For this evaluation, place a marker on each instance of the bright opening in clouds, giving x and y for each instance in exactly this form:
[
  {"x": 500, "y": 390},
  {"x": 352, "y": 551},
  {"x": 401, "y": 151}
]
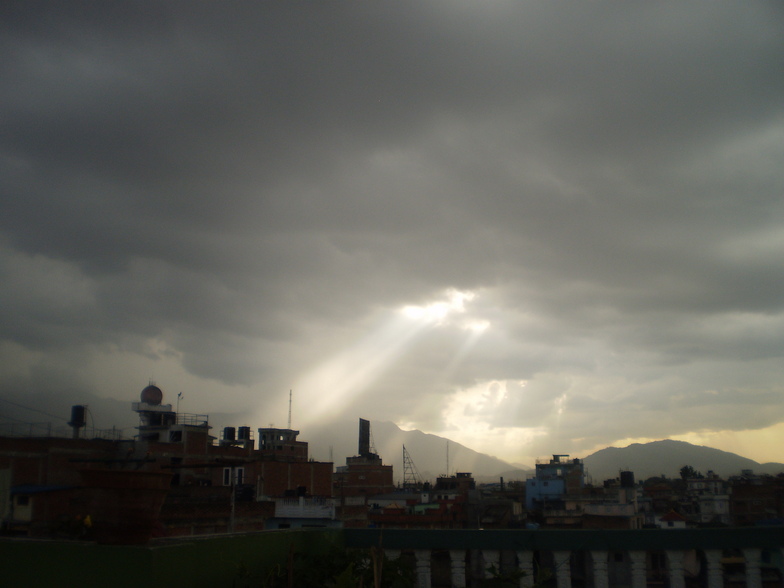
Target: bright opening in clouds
[
  {"x": 439, "y": 312},
  {"x": 472, "y": 414},
  {"x": 477, "y": 326}
]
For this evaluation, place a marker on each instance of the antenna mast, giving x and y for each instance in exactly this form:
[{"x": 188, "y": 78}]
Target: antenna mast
[
  {"x": 372, "y": 442},
  {"x": 289, "y": 409},
  {"x": 411, "y": 477},
  {"x": 447, "y": 457}
]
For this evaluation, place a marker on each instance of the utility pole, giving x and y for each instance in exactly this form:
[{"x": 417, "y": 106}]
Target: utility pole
[{"x": 233, "y": 498}]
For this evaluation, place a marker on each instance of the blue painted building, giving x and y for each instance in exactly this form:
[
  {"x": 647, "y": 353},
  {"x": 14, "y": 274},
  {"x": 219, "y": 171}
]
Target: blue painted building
[{"x": 553, "y": 480}]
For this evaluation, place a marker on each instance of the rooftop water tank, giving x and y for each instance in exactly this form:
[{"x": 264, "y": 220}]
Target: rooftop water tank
[
  {"x": 627, "y": 479},
  {"x": 152, "y": 395},
  {"x": 77, "y": 416}
]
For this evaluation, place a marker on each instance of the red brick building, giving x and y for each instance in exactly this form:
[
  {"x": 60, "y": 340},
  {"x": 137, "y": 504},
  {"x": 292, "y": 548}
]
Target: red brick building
[
  {"x": 215, "y": 486},
  {"x": 363, "y": 476},
  {"x": 756, "y": 498}
]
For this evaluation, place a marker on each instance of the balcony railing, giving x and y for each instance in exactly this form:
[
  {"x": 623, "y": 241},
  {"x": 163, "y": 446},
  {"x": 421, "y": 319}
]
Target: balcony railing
[
  {"x": 592, "y": 558},
  {"x": 47, "y": 429},
  {"x": 198, "y": 420},
  {"x": 301, "y": 507}
]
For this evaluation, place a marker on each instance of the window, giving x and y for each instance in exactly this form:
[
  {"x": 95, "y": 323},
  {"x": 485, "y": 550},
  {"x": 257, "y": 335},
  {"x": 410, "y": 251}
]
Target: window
[
  {"x": 239, "y": 476},
  {"x": 658, "y": 562}
]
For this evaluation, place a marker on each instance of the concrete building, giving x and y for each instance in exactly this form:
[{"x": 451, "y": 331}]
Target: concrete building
[
  {"x": 707, "y": 500},
  {"x": 553, "y": 480}
]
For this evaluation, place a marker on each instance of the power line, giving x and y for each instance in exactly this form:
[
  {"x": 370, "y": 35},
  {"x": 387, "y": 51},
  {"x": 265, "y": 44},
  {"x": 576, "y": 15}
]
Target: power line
[
  {"x": 35, "y": 410},
  {"x": 8, "y": 418}
]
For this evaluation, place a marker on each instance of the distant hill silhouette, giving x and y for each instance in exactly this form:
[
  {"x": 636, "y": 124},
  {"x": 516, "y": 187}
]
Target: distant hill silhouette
[{"x": 667, "y": 458}]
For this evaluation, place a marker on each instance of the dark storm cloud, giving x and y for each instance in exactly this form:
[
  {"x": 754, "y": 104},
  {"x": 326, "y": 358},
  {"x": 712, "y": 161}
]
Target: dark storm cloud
[{"x": 258, "y": 185}]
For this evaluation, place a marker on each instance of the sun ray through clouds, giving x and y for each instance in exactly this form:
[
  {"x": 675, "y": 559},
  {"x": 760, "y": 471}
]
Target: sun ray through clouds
[{"x": 331, "y": 386}]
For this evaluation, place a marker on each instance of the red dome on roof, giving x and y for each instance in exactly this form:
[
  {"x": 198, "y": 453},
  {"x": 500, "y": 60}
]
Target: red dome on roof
[{"x": 152, "y": 394}]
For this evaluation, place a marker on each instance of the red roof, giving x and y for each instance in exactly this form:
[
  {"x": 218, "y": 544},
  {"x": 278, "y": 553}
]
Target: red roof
[{"x": 673, "y": 516}]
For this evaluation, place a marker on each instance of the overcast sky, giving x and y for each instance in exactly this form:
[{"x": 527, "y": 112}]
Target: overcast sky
[{"x": 530, "y": 227}]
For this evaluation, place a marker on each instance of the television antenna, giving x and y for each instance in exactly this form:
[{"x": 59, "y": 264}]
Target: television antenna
[
  {"x": 289, "y": 409},
  {"x": 411, "y": 478},
  {"x": 372, "y": 443}
]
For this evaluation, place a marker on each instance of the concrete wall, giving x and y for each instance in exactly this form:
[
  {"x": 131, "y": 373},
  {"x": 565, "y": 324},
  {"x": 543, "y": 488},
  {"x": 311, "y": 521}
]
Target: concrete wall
[{"x": 216, "y": 561}]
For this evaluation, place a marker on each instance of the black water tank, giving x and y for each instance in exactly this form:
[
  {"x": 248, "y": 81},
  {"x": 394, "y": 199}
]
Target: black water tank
[
  {"x": 228, "y": 433},
  {"x": 627, "y": 479},
  {"x": 244, "y": 433},
  {"x": 77, "y": 416}
]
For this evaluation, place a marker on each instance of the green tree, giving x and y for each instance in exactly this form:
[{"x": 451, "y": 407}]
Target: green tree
[{"x": 688, "y": 471}]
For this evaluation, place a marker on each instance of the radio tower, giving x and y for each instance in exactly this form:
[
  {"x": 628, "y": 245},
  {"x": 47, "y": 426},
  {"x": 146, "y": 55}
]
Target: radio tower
[
  {"x": 372, "y": 443},
  {"x": 411, "y": 478}
]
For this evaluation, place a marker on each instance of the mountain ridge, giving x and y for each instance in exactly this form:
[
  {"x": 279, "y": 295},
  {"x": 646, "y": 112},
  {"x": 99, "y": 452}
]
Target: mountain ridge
[{"x": 667, "y": 456}]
